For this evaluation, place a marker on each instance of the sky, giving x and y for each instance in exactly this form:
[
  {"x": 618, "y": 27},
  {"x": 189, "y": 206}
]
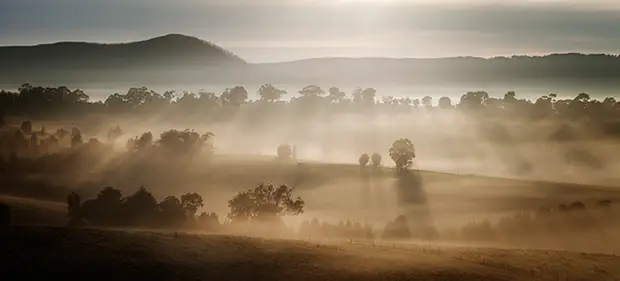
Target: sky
[{"x": 284, "y": 30}]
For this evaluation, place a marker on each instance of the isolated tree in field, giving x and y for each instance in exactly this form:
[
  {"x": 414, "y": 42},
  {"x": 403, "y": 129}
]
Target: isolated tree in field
[
  {"x": 264, "y": 203},
  {"x": 376, "y": 160},
  {"x": 285, "y": 151},
  {"x": 5, "y": 215},
  {"x": 26, "y": 127},
  {"x": 402, "y": 153},
  {"x": 363, "y": 160},
  {"x": 270, "y": 93}
]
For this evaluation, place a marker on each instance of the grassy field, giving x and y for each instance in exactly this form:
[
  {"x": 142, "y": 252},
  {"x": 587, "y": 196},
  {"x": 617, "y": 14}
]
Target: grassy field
[
  {"x": 39, "y": 248},
  {"x": 36, "y": 253}
]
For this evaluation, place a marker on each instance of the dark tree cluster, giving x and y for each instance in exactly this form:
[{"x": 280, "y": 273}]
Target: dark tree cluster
[
  {"x": 173, "y": 143},
  {"x": 546, "y": 225},
  {"x": 262, "y": 205},
  {"x": 140, "y": 209},
  {"x": 265, "y": 203},
  {"x": 342, "y": 230}
]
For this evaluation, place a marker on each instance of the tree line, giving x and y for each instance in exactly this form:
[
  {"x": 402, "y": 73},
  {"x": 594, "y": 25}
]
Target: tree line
[
  {"x": 45, "y": 101},
  {"x": 263, "y": 204}
]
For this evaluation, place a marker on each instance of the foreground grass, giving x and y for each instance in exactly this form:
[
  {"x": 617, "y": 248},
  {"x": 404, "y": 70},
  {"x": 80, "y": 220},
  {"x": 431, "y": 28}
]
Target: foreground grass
[{"x": 47, "y": 253}]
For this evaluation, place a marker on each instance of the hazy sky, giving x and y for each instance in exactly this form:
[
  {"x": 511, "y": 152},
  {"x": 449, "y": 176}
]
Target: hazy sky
[{"x": 278, "y": 30}]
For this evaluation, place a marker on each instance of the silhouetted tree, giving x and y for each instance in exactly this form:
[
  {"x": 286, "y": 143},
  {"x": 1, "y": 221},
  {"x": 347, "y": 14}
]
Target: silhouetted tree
[
  {"x": 264, "y": 203},
  {"x": 140, "y": 143},
  {"x": 335, "y": 95},
  {"x": 364, "y": 96},
  {"x": 191, "y": 202},
  {"x": 376, "y": 160},
  {"x": 185, "y": 142},
  {"x": 311, "y": 91},
  {"x": 141, "y": 208},
  {"x": 403, "y": 153},
  {"x": 234, "y": 97},
  {"x": 363, "y": 160},
  {"x": 172, "y": 212},
  {"x": 270, "y": 93}
]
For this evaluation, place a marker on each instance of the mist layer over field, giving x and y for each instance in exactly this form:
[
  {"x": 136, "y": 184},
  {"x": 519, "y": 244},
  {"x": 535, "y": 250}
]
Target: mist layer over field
[{"x": 445, "y": 141}]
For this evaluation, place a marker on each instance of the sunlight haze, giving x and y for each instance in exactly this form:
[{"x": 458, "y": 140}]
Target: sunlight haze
[{"x": 282, "y": 30}]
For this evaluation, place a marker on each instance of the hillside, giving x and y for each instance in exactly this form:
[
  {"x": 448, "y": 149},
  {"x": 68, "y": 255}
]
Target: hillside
[
  {"x": 82, "y": 61},
  {"x": 176, "y": 58},
  {"x": 79, "y": 254},
  {"x": 571, "y": 68}
]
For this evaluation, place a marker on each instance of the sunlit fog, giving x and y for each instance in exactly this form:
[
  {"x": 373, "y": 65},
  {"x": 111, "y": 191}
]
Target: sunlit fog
[{"x": 309, "y": 140}]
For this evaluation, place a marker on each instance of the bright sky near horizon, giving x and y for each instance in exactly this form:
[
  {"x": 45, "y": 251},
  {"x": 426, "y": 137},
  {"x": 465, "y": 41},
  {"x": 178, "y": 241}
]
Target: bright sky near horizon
[{"x": 280, "y": 30}]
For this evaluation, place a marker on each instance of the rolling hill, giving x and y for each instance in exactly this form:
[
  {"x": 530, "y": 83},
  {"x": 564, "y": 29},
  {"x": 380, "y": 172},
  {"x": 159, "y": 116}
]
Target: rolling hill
[
  {"x": 36, "y": 253},
  {"x": 176, "y": 58},
  {"x": 67, "y": 62}
]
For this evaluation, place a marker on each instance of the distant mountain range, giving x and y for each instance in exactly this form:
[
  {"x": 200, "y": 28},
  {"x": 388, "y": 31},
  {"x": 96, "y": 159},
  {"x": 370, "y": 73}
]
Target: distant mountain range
[{"x": 178, "y": 58}]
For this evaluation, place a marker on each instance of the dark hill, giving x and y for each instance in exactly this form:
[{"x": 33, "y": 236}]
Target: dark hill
[
  {"x": 76, "y": 61},
  {"x": 554, "y": 68},
  {"x": 178, "y": 58},
  {"x": 168, "y": 50}
]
